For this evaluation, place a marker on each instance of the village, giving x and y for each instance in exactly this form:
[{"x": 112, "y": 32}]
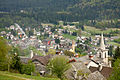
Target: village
[{"x": 86, "y": 54}]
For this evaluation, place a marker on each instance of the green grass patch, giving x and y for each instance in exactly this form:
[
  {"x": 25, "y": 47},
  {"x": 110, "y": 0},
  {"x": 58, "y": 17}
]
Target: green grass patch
[
  {"x": 84, "y": 33},
  {"x": 69, "y": 36},
  {"x": 99, "y": 31},
  {"x": 15, "y": 76},
  {"x": 113, "y": 43},
  {"x": 6, "y": 77}
]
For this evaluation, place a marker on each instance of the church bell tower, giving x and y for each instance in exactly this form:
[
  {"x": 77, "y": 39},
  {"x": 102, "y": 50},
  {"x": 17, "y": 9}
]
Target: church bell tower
[{"x": 103, "y": 52}]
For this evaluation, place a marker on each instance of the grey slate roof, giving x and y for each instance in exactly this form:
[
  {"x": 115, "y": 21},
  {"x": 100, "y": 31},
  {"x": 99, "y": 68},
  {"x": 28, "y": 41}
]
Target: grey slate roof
[{"x": 96, "y": 76}]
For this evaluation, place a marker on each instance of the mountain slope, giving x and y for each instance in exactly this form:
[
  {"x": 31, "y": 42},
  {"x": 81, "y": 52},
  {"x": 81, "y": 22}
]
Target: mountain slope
[{"x": 66, "y": 10}]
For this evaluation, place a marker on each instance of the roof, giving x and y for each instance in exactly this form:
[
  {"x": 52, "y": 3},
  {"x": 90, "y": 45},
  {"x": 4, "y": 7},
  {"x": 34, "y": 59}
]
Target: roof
[
  {"x": 93, "y": 69},
  {"x": 106, "y": 71},
  {"x": 42, "y": 59},
  {"x": 76, "y": 66},
  {"x": 102, "y": 45},
  {"x": 96, "y": 76},
  {"x": 24, "y": 60},
  {"x": 95, "y": 62}
]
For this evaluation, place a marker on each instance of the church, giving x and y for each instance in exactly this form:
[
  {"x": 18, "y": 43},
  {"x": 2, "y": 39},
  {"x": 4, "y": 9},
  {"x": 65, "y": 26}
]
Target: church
[
  {"x": 102, "y": 52},
  {"x": 101, "y": 57},
  {"x": 99, "y": 62}
]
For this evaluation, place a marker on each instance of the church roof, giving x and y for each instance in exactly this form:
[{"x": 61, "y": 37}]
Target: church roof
[
  {"x": 93, "y": 69},
  {"x": 106, "y": 71}
]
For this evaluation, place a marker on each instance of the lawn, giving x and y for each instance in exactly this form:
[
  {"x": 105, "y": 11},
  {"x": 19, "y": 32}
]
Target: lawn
[
  {"x": 113, "y": 43},
  {"x": 15, "y": 76},
  {"x": 6, "y": 77},
  {"x": 99, "y": 31},
  {"x": 69, "y": 36}
]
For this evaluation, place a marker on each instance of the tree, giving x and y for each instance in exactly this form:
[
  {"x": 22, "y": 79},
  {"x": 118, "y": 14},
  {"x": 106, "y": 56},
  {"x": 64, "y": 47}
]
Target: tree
[
  {"x": 116, "y": 71},
  {"x": 4, "y": 50},
  {"x": 38, "y": 52},
  {"x": 58, "y": 65},
  {"x": 16, "y": 63},
  {"x": 79, "y": 32},
  {"x": 30, "y": 33},
  {"x": 74, "y": 33},
  {"x": 82, "y": 27},
  {"x": 68, "y": 53},
  {"x": 110, "y": 52},
  {"x": 57, "y": 41},
  {"x": 117, "y": 53},
  {"x": 28, "y": 68},
  {"x": 51, "y": 51},
  {"x": 14, "y": 32},
  {"x": 78, "y": 50}
]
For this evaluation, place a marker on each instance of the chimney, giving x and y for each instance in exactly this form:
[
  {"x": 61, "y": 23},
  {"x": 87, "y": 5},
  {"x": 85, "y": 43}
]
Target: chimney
[
  {"x": 100, "y": 67},
  {"x": 31, "y": 54},
  {"x": 110, "y": 65},
  {"x": 91, "y": 56}
]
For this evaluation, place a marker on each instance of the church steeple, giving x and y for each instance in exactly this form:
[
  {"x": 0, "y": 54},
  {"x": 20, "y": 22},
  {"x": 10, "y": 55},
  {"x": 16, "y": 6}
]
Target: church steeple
[
  {"x": 73, "y": 47},
  {"x": 102, "y": 45}
]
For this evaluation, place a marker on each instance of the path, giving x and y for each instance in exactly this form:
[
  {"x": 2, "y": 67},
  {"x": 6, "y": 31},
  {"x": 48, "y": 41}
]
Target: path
[{"x": 17, "y": 77}]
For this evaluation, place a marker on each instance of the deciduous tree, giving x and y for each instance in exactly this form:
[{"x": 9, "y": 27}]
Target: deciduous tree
[
  {"x": 4, "y": 49},
  {"x": 58, "y": 65},
  {"x": 116, "y": 71}
]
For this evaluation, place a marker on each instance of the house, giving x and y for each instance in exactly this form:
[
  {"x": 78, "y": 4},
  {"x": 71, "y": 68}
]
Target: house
[
  {"x": 12, "y": 27},
  {"x": 24, "y": 59},
  {"x": 72, "y": 73},
  {"x": 105, "y": 71},
  {"x": 93, "y": 63},
  {"x": 96, "y": 76},
  {"x": 41, "y": 62}
]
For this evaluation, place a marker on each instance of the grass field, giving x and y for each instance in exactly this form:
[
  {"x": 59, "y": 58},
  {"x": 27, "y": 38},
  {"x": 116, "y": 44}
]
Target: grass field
[
  {"x": 113, "y": 43},
  {"x": 15, "y": 76},
  {"x": 6, "y": 77},
  {"x": 99, "y": 31},
  {"x": 69, "y": 36}
]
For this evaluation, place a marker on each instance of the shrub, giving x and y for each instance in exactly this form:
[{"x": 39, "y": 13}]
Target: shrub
[
  {"x": 28, "y": 68},
  {"x": 68, "y": 53}
]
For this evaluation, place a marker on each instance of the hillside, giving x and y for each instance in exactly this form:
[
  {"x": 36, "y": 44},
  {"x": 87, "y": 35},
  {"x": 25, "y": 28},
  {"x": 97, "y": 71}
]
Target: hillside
[
  {"x": 55, "y": 10},
  {"x": 13, "y": 76}
]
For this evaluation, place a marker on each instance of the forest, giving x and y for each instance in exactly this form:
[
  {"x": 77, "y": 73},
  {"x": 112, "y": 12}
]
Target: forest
[{"x": 33, "y": 12}]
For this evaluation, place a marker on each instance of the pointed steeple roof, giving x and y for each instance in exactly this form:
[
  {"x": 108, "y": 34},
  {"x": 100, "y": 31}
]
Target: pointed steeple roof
[{"x": 102, "y": 45}]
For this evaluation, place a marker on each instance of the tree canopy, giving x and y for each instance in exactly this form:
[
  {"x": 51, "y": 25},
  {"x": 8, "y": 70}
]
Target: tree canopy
[
  {"x": 58, "y": 65},
  {"x": 4, "y": 50},
  {"x": 33, "y": 12},
  {"x": 116, "y": 71}
]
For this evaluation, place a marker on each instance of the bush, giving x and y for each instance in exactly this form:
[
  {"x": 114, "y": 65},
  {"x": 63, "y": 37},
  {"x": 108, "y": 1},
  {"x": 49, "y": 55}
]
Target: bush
[
  {"x": 68, "y": 53},
  {"x": 15, "y": 63},
  {"x": 28, "y": 68},
  {"x": 51, "y": 51}
]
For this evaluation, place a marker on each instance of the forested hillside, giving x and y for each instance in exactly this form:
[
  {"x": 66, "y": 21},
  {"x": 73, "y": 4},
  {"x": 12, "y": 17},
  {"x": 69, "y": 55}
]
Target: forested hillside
[{"x": 54, "y": 10}]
